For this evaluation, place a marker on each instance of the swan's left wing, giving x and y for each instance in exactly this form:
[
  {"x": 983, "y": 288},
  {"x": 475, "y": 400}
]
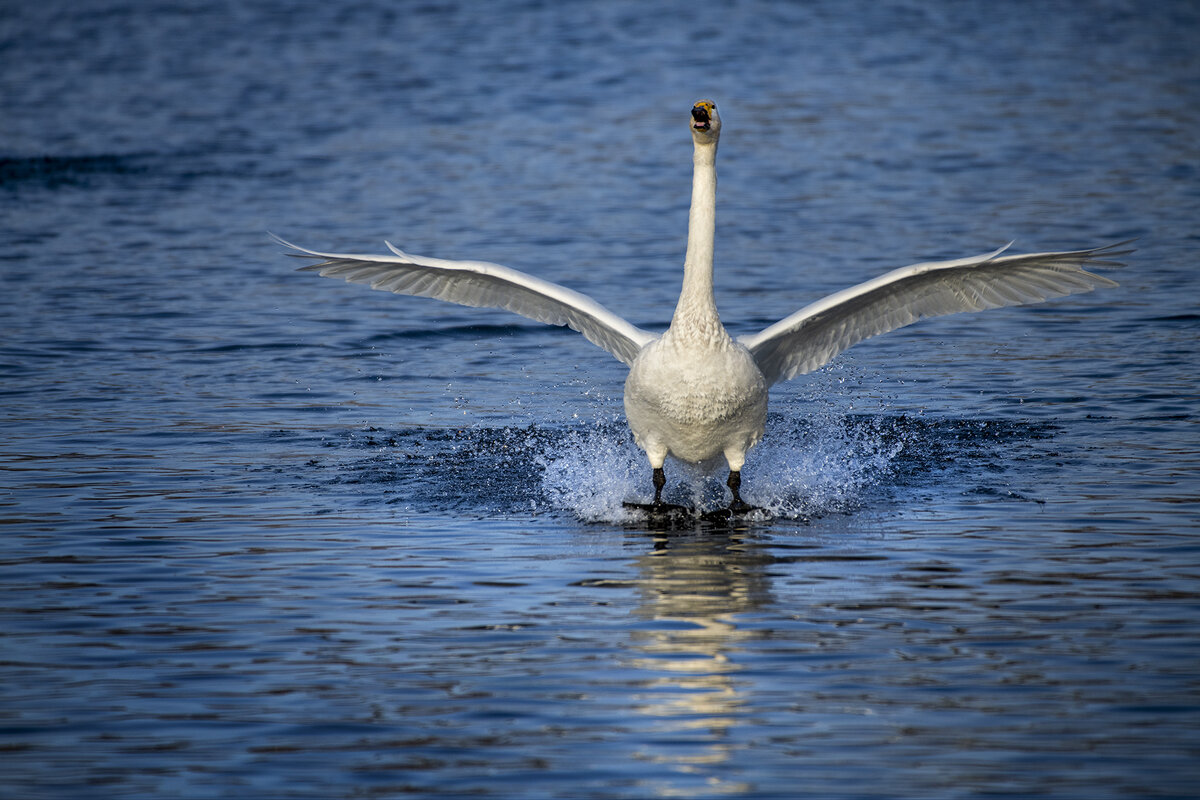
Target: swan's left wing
[
  {"x": 816, "y": 333},
  {"x": 481, "y": 284}
]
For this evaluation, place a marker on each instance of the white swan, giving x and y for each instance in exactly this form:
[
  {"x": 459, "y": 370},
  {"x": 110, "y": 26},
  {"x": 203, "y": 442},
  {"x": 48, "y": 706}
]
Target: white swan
[{"x": 694, "y": 392}]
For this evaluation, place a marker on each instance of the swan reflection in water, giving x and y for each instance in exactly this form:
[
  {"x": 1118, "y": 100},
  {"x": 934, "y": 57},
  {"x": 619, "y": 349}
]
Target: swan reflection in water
[{"x": 693, "y": 588}]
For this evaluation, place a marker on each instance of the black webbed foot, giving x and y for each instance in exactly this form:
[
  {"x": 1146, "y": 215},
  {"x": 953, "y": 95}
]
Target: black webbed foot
[
  {"x": 660, "y": 512},
  {"x": 659, "y": 509}
]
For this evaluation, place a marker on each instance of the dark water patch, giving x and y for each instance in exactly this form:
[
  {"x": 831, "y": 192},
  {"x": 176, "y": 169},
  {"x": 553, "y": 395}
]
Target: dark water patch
[
  {"x": 1189, "y": 319},
  {"x": 805, "y": 468},
  {"x": 471, "y": 332},
  {"x": 180, "y": 170},
  {"x": 931, "y": 448},
  {"x": 244, "y": 347},
  {"x": 478, "y": 470},
  {"x": 1005, "y": 494},
  {"x": 54, "y": 171}
]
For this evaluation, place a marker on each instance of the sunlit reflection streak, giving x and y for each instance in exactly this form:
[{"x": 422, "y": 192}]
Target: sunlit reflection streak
[{"x": 695, "y": 586}]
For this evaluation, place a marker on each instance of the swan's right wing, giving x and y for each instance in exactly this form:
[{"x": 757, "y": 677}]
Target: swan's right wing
[
  {"x": 481, "y": 284},
  {"x": 812, "y": 336}
]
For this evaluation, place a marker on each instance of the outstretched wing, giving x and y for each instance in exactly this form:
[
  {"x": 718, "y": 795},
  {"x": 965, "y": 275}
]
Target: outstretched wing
[
  {"x": 480, "y": 284},
  {"x": 816, "y": 333}
]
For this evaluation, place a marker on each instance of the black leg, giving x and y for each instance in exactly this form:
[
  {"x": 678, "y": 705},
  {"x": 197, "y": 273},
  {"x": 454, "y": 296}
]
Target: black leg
[
  {"x": 735, "y": 484},
  {"x": 660, "y": 480}
]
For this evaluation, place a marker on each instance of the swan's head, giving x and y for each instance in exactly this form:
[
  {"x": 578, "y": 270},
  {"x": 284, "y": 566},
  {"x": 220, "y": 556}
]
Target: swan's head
[{"x": 706, "y": 124}]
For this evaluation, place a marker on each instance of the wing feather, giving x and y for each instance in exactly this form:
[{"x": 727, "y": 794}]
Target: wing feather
[
  {"x": 482, "y": 284},
  {"x": 812, "y": 336}
]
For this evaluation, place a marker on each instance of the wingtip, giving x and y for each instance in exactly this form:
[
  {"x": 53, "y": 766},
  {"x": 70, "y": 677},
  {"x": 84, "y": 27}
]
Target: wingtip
[
  {"x": 1104, "y": 255},
  {"x": 1117, "y": 249},
  {"x": 299, "y": 252},
  {"x": 280, "y": 240}
]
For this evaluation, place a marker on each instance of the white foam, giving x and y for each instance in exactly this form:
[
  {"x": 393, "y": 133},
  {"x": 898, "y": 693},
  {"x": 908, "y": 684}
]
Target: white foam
[{"x": 806, "y": 466}]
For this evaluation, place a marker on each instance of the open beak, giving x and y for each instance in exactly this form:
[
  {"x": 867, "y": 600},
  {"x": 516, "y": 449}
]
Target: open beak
[{"x": 701, "y": 119}]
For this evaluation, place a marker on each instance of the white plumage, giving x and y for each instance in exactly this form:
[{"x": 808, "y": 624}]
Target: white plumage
[{"x": 694, "y": 392}]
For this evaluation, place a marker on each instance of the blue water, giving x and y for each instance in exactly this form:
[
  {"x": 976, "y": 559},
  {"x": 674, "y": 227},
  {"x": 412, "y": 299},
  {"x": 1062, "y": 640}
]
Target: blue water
[{"x": 270, "y": 535}]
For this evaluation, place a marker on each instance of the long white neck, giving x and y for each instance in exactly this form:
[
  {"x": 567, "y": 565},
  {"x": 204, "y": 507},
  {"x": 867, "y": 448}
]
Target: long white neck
[{"x": 696, "y": 308}]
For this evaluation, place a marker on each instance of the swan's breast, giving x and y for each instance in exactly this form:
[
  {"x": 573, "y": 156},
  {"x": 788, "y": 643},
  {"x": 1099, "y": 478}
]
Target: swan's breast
[{"x": 697, "y": 403}]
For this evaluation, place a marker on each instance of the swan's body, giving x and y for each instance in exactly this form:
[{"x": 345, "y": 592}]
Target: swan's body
[{"x": 694, "y": 392}]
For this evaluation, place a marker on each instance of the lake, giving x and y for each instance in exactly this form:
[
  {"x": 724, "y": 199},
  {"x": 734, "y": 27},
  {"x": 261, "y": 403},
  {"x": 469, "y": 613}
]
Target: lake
[{"x": 271, "y": 535}]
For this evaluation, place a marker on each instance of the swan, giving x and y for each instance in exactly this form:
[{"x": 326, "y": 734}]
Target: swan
[{"x": 694, "y": 392}]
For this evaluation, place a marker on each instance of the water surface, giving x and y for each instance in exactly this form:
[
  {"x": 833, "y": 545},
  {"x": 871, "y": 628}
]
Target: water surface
[{"x": 268, "y": 535}]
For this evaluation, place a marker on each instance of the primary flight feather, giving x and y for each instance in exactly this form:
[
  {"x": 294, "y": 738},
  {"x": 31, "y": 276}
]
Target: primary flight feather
[{"x": 694, "y": 392}]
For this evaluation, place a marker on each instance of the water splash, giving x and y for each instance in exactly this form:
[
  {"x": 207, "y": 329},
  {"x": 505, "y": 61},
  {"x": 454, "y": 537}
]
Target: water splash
[
  {"x": 817, "y": 459},
  {"x": 591, "y": 471},
  {"x": 805, "y": 467},
  {"x": 831, "y": 449},
  {"x": 819, "y": 465}
]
